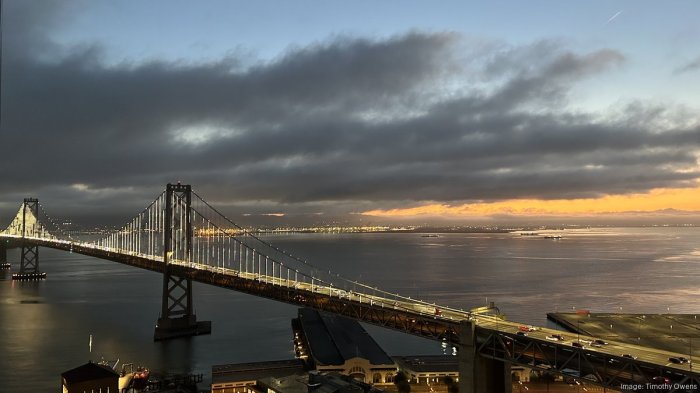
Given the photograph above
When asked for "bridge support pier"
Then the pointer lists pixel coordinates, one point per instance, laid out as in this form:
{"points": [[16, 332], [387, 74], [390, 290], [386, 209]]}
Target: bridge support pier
{"points": [[478, 374], [29, 264], [177, 318]]}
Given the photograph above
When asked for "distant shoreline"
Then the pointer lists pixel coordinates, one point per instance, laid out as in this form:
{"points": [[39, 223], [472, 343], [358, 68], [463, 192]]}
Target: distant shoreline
{"points": [[427, 230]]}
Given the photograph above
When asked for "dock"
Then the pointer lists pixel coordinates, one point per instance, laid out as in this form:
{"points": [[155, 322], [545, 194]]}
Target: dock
{"points": [[671, 332]]}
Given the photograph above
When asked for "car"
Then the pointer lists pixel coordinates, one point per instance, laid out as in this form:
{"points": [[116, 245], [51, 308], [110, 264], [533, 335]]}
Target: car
{"points": [[661, 380], [684, 360], [555, 337], [527, 328], [595, 344], [586, 341], [675, 360], [600, 342], [299, 299], [628, 356], [520, 333], [577, 345]]}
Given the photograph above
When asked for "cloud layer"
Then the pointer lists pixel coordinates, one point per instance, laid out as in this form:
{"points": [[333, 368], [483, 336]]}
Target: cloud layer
{"points": [[344, 125], [692, 66]]}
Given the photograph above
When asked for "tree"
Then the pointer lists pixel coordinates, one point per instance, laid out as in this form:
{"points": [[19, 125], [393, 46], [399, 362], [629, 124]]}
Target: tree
{"points": [[452, 386], [401, 382]]}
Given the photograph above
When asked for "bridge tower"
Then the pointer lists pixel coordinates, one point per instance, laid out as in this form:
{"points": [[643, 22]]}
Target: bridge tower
{"points": [[29, 263], [177, 318], [476, 373]]}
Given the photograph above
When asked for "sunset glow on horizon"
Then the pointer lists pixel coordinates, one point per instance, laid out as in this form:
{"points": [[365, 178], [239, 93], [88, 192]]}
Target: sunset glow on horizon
{"points": [[681, 199]]}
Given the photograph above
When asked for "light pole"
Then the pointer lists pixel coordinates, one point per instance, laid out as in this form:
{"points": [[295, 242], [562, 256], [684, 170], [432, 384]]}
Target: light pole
{"points": [[578, 330], [695, 318]]}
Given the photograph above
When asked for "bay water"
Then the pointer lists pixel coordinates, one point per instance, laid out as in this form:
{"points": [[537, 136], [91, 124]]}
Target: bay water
{"points": [[45, 326]]}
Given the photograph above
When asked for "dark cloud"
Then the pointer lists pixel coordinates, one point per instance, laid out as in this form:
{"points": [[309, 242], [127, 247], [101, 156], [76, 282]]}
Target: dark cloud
{"points": [[691, 66], [342, 125]]}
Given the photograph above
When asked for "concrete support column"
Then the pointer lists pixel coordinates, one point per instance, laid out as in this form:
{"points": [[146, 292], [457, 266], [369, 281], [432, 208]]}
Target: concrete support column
{"points": [[507, 378], [478, 374], [466, 357]]}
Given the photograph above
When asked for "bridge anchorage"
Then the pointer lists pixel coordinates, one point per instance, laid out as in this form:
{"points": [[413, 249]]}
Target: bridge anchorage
{"points": [[177, 318]]}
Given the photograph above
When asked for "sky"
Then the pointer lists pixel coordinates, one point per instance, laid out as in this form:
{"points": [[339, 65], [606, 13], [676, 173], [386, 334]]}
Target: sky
{"points": [[320, 111]]}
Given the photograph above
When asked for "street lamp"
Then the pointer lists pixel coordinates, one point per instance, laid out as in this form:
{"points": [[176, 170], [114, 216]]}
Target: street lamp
{"points": [[578, 330], [695, 317]]}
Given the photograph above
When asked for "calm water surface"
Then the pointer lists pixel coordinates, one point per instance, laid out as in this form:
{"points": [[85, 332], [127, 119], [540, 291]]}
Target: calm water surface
{"points": [[44, 326]]}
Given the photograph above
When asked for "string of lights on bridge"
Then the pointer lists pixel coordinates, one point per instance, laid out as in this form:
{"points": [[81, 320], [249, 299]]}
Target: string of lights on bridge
{"points": [[217, 243]]}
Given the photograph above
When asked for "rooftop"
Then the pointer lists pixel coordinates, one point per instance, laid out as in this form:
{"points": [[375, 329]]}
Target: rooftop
{"points": [[333, 339], [316, 382], [427, 363], [88, 372], [255, 371]]}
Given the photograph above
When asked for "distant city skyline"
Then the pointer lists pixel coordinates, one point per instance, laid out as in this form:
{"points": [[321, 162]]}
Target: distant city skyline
{"points": [[310, 111]]}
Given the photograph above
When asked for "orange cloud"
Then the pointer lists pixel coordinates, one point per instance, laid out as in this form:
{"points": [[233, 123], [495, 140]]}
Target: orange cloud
{"points": [[687, 199]]}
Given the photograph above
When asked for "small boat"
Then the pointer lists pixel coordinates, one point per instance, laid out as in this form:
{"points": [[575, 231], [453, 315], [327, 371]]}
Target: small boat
{"points": [[126, 376], [429, 235], [529, 234], [555, 237]]}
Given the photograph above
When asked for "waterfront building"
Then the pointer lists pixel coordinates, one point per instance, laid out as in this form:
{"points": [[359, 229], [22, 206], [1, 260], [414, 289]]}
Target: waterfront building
{"points": [[237, 378], [433, 369], [428, 369], [333, 343], [314, 382]]}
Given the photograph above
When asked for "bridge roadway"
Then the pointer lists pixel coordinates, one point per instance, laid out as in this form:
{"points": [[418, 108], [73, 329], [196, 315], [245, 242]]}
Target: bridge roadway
{"points": [[607, 365]]}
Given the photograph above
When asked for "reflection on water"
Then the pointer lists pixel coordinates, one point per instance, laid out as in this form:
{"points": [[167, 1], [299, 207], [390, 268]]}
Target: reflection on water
{"points": [[45, 326]]}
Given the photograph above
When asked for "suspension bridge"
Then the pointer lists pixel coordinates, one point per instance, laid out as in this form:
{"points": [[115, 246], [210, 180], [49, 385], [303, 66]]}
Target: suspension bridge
{"points": [[180, 235]]}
